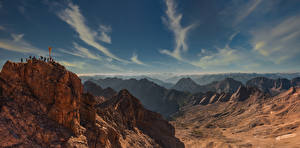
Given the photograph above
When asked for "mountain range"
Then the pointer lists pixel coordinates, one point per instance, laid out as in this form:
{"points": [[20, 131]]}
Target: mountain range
{"points": [[152, 96], [43, 105], [162, 100]]}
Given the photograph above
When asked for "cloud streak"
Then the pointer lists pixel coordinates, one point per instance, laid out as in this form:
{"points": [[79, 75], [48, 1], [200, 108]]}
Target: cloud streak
{"points": [[82, 52], [104, 37], [72, 16], [223, 57], [135, 60], [246, 11], [280, 42], [18, 44], [173, 21], [79, 65]]}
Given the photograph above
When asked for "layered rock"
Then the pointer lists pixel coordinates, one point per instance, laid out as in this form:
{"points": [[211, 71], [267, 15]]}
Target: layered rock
{"points": [[43, 105]]}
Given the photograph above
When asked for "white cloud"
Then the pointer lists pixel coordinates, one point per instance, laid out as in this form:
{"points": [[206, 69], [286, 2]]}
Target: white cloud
{"points": [[173, 22], [82, 52], [233, 35], [223, 57], [79, 65], [18, 44], [104, 37], [104, 28], [75, 19], [278, 42], [246, 10], [135, 59], [17, 37]]}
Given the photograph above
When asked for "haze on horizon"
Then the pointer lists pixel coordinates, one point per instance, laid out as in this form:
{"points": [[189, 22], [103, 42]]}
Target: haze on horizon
{"points": [[159, 36]]}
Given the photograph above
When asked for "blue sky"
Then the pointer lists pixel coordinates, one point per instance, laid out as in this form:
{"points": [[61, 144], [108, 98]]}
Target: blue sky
{"points": [[155, 36]]}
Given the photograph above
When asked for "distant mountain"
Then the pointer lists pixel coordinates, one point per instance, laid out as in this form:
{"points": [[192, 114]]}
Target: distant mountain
{"points": [[160, 82], [273, 86], [186, 84], [152, 96], [203, 79], [157, 81], [96, 90], [228, 85]]}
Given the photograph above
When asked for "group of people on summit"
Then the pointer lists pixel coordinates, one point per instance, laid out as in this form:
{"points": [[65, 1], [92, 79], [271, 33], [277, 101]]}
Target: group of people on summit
{"points": [[45, 59]]}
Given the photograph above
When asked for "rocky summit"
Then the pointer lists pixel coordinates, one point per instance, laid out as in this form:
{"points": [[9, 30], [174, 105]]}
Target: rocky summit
{"points": [[43, 105]]}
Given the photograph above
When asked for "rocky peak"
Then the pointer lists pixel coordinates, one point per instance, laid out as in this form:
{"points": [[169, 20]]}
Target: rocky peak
{"points": [[244, 93], [227, 85], [49, 82], [131, 114], [97, 90], [241, 94], [92, 88], [186, 84], [282, 84]]}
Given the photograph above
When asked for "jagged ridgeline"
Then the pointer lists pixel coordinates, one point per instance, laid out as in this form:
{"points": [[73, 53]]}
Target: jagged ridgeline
{"points": [[43, 105]]}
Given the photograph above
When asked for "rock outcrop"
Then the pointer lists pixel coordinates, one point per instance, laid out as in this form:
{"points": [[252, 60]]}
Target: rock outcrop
{"points": [[43, 105]]}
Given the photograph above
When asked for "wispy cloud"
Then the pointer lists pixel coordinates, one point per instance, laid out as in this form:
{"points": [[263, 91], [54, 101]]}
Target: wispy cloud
{"points": [[223, 57], [72, 16], [104, 37], [18, 44], [135, 59], [278, 41], [173, 22], [81, 52], [236, 11], [246, 10], [233, 36], [76, 64]]}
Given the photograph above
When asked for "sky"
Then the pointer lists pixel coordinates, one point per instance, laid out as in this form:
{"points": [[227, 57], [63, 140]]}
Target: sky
{"points": [[154, 36]]}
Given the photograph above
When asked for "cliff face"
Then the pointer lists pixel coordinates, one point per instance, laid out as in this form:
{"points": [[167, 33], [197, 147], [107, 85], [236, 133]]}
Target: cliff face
{"points": [[43, 105]]}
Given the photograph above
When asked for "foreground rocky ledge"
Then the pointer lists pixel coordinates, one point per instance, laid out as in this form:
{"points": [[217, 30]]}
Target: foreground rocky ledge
{"points": [[43, 105]]}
